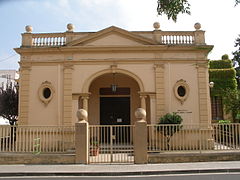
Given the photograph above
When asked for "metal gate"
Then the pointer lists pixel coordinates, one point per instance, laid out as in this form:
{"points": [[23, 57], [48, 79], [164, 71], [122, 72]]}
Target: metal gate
{"points": [[111, 144]]}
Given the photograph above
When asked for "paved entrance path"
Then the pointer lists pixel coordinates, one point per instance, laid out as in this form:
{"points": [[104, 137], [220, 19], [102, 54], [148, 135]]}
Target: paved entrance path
{"points": [[118, 170]]}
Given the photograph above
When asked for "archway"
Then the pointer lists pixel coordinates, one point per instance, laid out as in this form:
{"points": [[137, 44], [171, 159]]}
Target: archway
{"points": [[107, 107]]}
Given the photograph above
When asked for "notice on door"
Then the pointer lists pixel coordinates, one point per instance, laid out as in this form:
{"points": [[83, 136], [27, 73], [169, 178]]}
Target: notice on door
{"points": [[119, 120]]}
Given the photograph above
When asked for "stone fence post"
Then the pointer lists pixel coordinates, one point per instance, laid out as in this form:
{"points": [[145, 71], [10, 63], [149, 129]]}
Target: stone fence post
{"points": [[81, 137], [140, 137]]}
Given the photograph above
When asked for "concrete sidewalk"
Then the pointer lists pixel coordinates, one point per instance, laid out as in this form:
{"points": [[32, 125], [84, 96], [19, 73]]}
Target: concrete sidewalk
{"points": [[119, 170]]}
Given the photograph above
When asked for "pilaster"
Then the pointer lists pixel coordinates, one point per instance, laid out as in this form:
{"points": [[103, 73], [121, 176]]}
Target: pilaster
{"points": [[24, 89], [67, 94], [159, 82], [204, 95]]}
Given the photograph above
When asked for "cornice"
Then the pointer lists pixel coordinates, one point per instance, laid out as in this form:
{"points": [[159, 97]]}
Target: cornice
{"points": [[150, 48]]}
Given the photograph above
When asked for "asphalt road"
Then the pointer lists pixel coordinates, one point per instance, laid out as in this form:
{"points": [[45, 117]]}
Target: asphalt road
{"points": [[220, 176]]}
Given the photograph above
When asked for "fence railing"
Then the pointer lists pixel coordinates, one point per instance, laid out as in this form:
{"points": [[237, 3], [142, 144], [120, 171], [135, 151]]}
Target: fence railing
{"points": [[37, 139], [114, 140], [111, 144], [193, 138]]}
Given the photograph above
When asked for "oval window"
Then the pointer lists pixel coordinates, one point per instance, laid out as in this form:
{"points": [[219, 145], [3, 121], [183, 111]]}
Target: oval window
{"points": [[46, 93], [181, 91]]}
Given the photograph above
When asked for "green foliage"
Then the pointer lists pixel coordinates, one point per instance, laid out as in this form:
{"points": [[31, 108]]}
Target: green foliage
{"points": [[173, 7], [231, 101], [9, 103], [225, 57], [236, 59], [173, 118], [222, 73], [224, 121], [169, 125], [220, 64]]}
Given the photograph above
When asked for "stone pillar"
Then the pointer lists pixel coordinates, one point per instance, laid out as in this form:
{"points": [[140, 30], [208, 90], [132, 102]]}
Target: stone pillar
{"points": [[199, 36], [160, 97], [27, 40], [81, 138], [24, 88], [140, 137], [67, 94], [204, 95], [157, 33]]}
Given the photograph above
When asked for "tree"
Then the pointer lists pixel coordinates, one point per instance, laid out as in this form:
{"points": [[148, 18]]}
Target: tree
{"points": [[170, 124], [236, 60], [9, 103], [231, 100], [172, 8]]}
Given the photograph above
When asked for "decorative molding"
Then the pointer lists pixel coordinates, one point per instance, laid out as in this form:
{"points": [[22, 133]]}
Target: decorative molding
{"points": [[113, 68], [68, 66], [201, 65], [158, 65], [45, 92], [181, 90]]}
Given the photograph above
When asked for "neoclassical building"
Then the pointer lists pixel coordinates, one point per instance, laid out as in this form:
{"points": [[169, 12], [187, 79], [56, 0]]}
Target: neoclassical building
{"points": [[112, 72]]}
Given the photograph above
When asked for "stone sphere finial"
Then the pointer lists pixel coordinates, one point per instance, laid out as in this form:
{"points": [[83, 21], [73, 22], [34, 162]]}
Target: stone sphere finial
{"points": [[156, 25], [70, 27], [197, 26], [82, 114], [140, 113], [28, 29]]}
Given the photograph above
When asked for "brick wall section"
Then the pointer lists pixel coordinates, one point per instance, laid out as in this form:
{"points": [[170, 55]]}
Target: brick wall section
{"points": [[67, 95], [160, 100]]}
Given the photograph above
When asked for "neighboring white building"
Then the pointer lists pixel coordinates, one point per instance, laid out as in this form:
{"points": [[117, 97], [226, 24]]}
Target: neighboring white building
{"points": [[8, 76]]}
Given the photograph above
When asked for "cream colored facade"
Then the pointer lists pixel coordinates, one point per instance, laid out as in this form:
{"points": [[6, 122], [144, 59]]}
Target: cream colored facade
{"points": [[62, 72]]}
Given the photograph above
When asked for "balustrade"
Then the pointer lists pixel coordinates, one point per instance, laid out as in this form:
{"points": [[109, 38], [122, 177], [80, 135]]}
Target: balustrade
{"points": [[57, 39]]}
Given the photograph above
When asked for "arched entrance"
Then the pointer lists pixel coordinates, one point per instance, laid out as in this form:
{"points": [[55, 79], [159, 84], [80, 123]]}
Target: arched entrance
{"points": [[113, 107]]}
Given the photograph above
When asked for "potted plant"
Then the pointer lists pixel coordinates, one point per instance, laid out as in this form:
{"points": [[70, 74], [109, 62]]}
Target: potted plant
{"points": [[94, 148]]}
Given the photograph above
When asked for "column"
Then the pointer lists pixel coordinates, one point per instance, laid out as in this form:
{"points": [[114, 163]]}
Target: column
{"points": [[67, 94], [143, 97], [160, 97], [203, 95], [24, 91], [85, 102]]}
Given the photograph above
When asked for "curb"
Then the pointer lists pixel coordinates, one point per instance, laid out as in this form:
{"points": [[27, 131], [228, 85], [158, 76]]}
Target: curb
{"points": [[168, 172]]}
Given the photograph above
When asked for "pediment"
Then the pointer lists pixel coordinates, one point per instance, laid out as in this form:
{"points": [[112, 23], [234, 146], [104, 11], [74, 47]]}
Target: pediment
{"points": [[112, 36]]}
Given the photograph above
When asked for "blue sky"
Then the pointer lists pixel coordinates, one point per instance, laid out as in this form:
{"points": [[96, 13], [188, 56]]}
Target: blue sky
{"points": [[219, 18]]}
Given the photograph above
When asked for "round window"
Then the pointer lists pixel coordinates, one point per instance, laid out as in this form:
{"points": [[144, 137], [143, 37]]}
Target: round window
{"points": [[181, 91], [46, 93]]}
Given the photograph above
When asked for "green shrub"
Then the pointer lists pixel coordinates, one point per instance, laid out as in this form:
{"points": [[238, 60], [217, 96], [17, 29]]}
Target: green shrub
{"points": [[173, 118], [224, 121], [220, 64], [170, 124], [225, 57]]}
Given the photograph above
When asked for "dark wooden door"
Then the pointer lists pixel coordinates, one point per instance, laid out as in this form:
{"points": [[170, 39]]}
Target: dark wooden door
{"points": [[115, 110]]}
